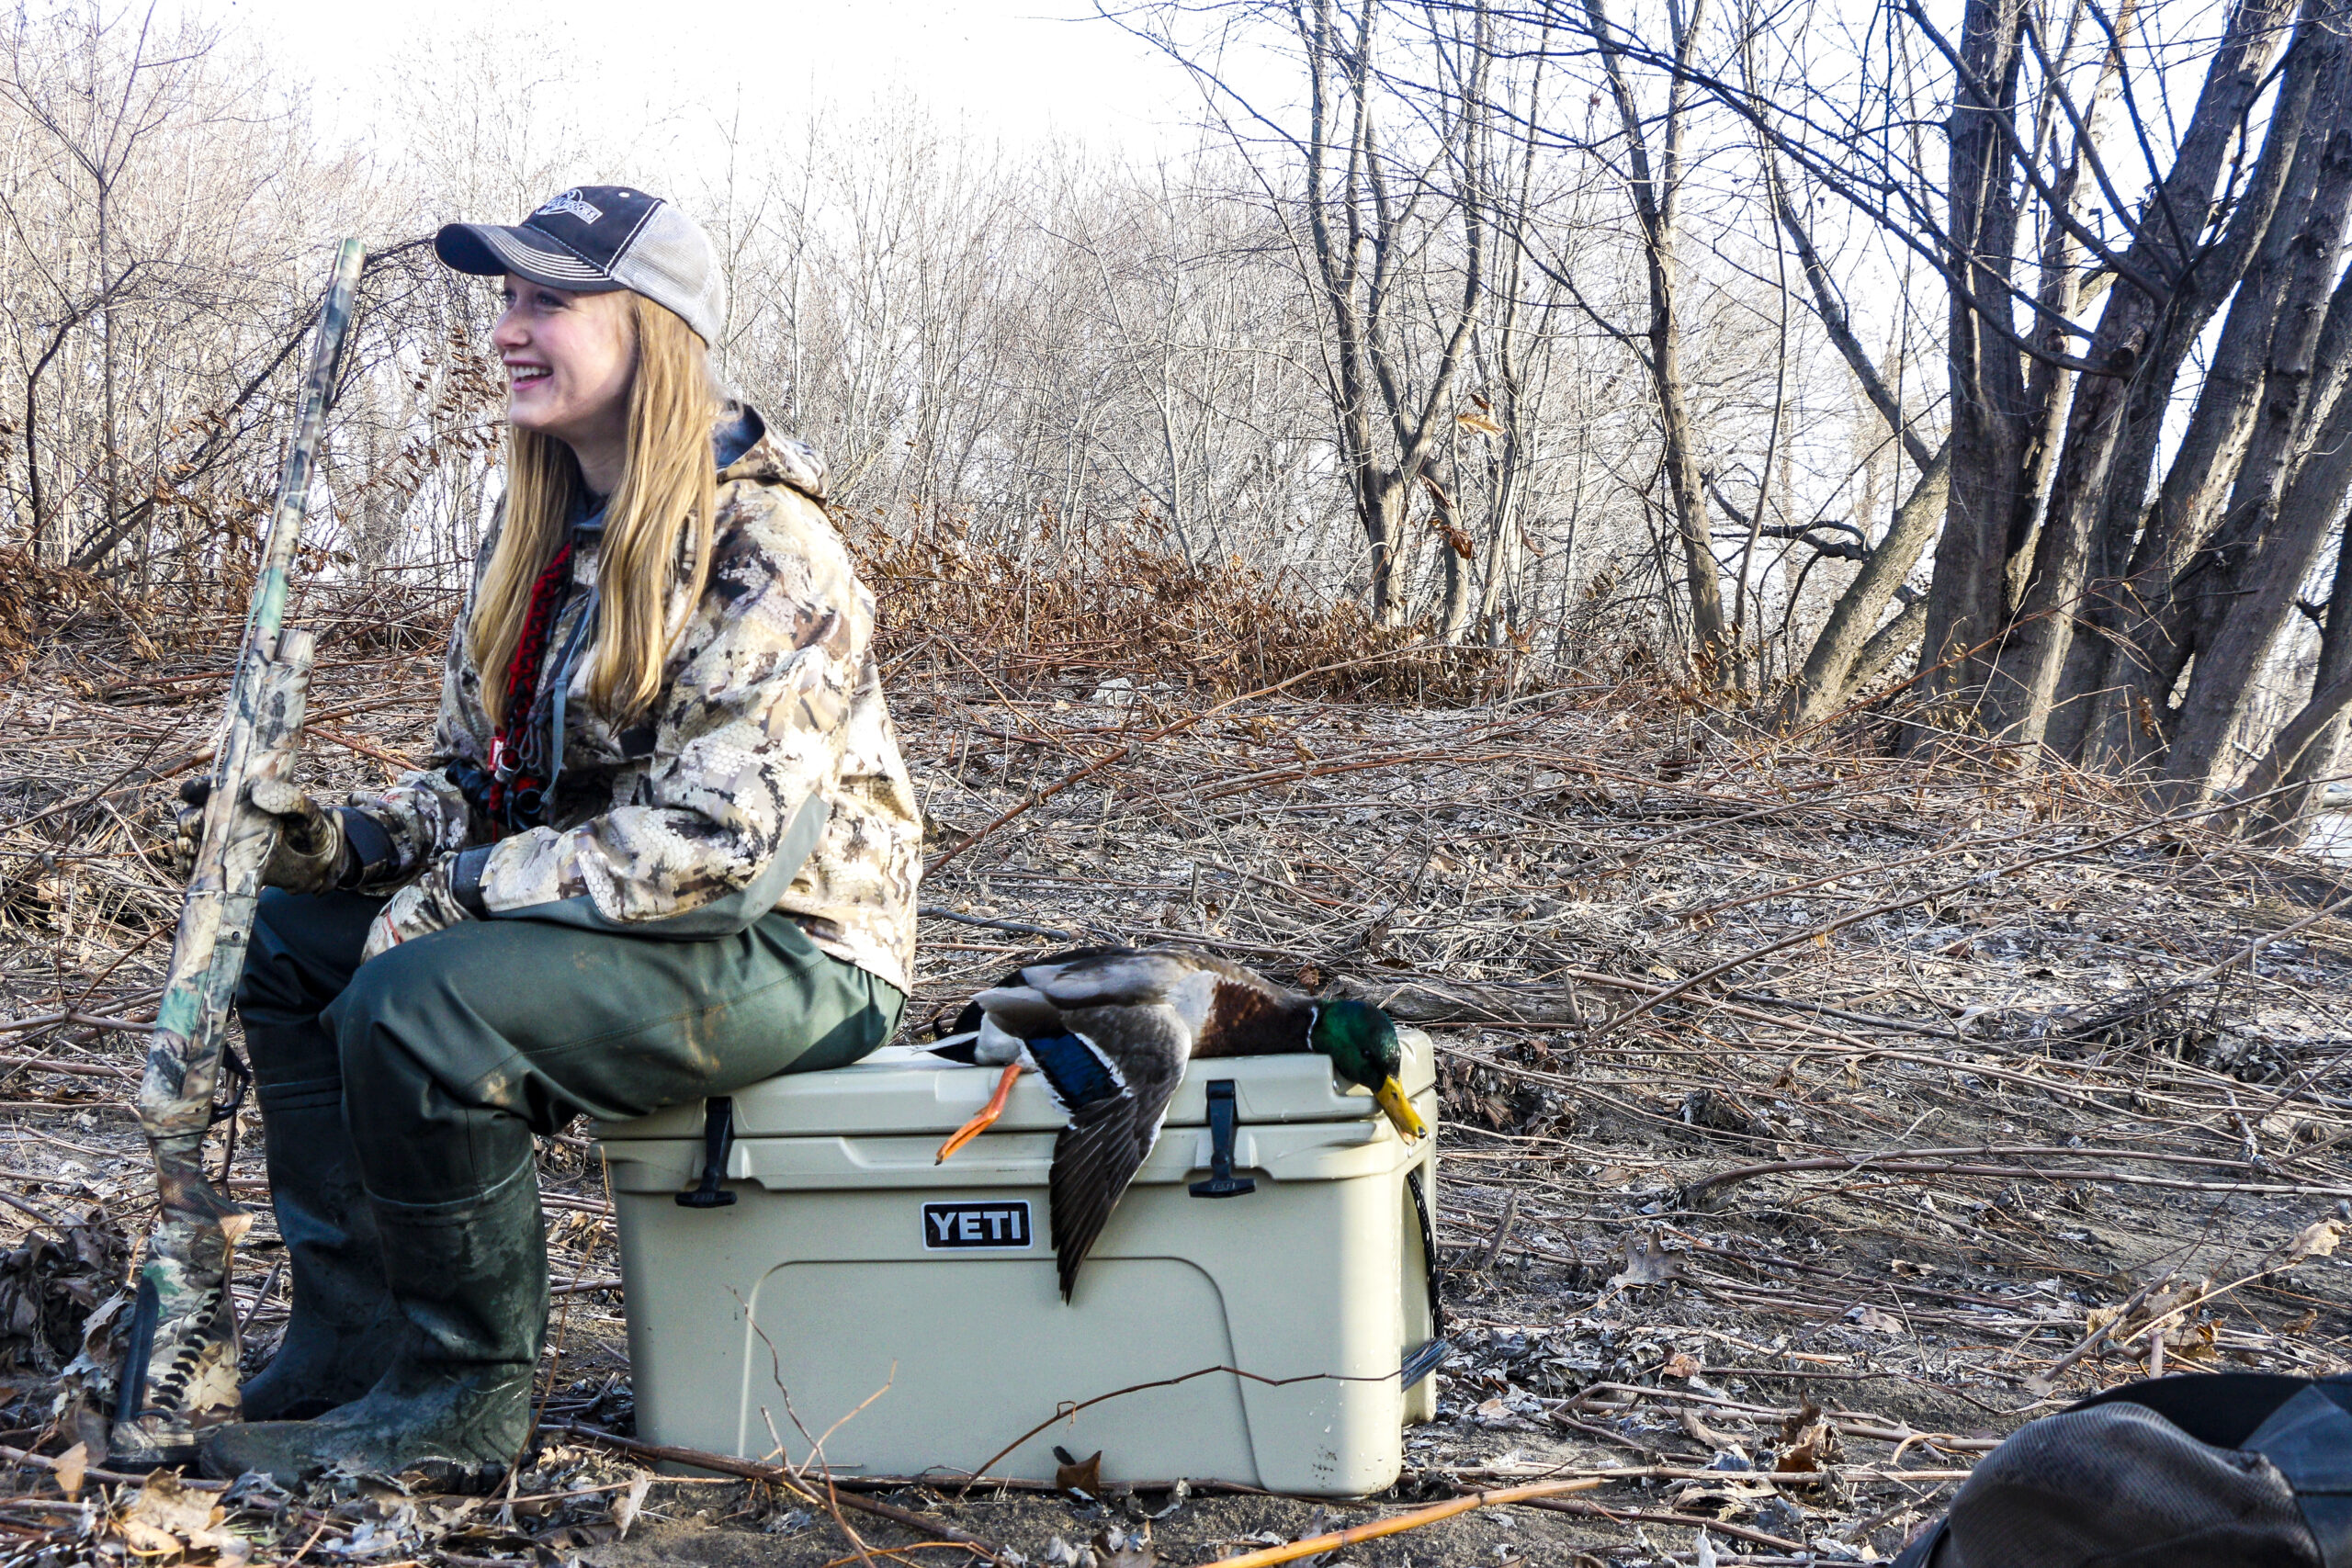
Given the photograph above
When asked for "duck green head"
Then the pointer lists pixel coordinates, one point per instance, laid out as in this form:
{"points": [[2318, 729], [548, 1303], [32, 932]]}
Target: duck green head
{"points": [[1362, 1045]]}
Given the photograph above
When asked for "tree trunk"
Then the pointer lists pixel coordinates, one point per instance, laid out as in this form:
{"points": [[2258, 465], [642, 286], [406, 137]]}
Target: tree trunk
{"points": [[2286, 521], [1886, 645], [2306, 747], [2116, 682], [2152, 316], [1656, 187], [1966, 597], [1702, 577], [1830, 669]]}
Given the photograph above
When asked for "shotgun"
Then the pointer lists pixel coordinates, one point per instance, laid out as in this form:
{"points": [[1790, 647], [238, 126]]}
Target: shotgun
{"points": [[159, 1362]]}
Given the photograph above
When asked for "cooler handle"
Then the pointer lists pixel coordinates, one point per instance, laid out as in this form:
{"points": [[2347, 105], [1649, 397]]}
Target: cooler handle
{"points": [[1222, 1182], [718, 1138]]}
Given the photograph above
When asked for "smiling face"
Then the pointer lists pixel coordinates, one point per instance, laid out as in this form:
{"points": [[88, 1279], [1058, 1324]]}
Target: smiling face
{"points": [[569, 359]]}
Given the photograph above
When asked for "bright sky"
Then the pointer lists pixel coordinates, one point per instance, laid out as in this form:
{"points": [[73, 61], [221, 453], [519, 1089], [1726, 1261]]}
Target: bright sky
{"points": [[1018, 70]]}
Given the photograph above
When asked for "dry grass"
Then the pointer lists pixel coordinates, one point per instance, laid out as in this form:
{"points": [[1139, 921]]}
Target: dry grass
{"points": [[1804, 1105], [1123, 603]]}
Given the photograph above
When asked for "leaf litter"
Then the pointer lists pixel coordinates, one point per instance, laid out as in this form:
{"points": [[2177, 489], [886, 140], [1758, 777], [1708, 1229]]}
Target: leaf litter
{"points": [[1812, 1117]]}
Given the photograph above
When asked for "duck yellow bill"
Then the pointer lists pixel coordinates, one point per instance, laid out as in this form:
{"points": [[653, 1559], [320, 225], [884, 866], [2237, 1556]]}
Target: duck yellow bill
{"points": [[1391, 1096]]}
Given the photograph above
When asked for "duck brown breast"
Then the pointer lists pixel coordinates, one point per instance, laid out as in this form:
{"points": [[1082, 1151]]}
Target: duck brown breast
{"points": [[1252, 1021]]}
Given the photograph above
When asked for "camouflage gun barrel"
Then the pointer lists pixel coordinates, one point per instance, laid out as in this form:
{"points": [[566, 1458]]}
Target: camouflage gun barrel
{"points": [[159, 1364]]}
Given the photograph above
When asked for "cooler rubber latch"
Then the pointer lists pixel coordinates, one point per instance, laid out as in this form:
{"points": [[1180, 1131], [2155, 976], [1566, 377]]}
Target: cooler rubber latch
{"points": [[1222, 1182], [718, 1137]]}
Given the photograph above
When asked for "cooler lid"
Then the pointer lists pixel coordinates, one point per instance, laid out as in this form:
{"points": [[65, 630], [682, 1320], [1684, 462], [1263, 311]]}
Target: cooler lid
{"points": [[903, 1089]]}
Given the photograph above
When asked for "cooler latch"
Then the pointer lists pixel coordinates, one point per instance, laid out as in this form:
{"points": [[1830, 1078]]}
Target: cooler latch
{"points": [[1222, 1182], [718, 1137]]}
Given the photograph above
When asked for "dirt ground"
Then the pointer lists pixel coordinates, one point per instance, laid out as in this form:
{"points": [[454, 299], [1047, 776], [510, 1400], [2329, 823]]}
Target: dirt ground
{"points": [[1812, 1120]]}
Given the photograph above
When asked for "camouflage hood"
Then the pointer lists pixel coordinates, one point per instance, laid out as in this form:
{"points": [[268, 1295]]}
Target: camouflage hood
{"points": [[766, 775]]}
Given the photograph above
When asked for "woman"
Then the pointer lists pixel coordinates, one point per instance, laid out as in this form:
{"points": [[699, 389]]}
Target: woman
{"points": [[668, 847]]}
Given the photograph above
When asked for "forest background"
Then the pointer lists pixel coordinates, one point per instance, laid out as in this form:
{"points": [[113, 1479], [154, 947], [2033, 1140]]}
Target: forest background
{"points": [[1981, 366], [1728, 557]]}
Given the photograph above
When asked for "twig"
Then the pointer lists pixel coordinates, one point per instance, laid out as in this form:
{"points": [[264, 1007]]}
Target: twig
{"points": [[1064, 1412], [934, 912], [1373, 1529], [776, 1475]]}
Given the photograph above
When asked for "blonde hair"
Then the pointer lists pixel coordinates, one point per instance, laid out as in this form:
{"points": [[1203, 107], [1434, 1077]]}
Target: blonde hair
{"points": [[668, 484]]}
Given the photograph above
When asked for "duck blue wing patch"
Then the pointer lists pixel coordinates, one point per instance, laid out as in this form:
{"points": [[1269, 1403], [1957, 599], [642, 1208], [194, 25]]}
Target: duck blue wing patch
{"points": [[1078, 1074], [1099, 1153]]}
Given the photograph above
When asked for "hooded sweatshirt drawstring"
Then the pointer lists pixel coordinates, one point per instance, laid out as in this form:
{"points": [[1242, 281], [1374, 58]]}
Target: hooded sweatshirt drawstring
{"points": [[516, 793]]}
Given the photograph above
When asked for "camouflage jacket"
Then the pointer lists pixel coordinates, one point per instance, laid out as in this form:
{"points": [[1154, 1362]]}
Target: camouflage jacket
{"points": [[766, 776]]}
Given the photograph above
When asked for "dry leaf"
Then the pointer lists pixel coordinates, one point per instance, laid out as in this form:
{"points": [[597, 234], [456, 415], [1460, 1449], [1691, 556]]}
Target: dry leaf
{"points": [[626, 1504], [1875, 1319], [1080, 1474], [72, 1466], [169, 1516], [147, 1541], [1808, 1442], [1647, 1262], [2315, 1240]]}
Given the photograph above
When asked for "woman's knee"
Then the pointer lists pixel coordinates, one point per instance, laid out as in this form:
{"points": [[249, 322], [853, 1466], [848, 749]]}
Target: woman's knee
{"points": [[420, 1083], [303, 951]]}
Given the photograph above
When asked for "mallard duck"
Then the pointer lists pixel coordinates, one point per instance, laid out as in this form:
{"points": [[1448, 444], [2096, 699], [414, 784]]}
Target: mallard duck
{"points": [[1110, 1030]]}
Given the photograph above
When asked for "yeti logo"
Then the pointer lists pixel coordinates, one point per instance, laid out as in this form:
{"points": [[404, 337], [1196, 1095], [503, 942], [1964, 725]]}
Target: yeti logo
{"points": [[1002, 1225], [571, 204]]}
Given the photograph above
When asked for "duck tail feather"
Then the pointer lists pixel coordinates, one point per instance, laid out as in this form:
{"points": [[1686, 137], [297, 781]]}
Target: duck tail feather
{"points": [[957, 1047]]}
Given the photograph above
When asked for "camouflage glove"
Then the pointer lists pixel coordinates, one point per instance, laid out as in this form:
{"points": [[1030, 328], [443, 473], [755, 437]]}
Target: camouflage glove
{"points": [[430, 904], [311, 855]]}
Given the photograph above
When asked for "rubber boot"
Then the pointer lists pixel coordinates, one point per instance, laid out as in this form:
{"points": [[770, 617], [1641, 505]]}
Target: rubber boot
{"points": [[471, 1277], [344, 1326]]}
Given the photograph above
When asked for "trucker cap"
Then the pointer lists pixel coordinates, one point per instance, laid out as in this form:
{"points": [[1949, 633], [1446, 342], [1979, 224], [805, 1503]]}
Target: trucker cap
{"points": [[596, 238]]}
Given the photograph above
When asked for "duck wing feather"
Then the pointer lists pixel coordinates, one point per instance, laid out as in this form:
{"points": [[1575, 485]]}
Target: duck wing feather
{"points": [[1112, 977], [1109, 1133]]}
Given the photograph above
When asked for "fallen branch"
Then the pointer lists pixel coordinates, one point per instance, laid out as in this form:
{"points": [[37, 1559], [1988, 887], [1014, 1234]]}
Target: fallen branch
{"points": [[1698, 1194], [776, 1475], [1039, 796], [75, 1019], [72, 1070], [1375, 1528], [1744, 1477], [1661, 1516], [26, 1456], [934, 912], [1945, 890], [1065, 1411]]}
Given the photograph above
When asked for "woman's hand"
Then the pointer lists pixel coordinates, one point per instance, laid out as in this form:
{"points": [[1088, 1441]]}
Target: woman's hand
{"points": [[424, 907], [310, 854]]}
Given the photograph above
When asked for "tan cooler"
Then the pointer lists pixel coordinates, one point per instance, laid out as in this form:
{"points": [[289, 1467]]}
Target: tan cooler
{"points": [[909, 1309]]}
